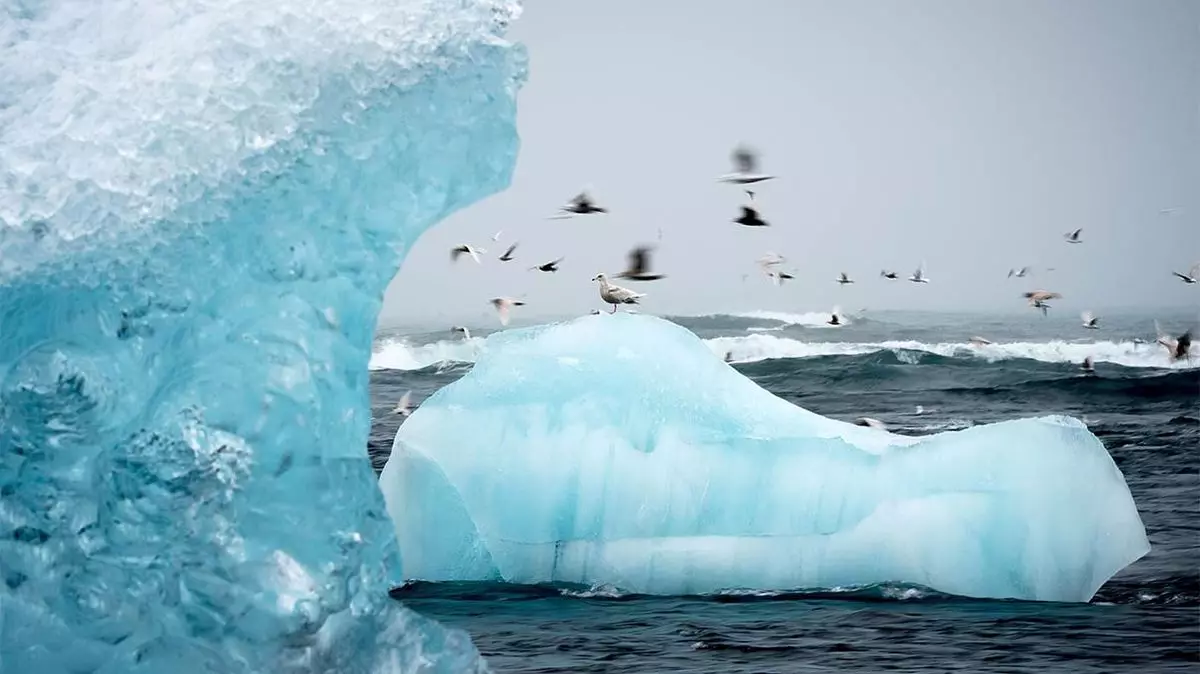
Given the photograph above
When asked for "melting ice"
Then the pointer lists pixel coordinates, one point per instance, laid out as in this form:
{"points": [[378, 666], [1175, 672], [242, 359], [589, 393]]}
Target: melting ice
{"points": [[619, 450], [203, 202]]}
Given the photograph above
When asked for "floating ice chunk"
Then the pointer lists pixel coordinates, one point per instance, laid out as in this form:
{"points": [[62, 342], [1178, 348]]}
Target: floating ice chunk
{"points": [[617, 449]]}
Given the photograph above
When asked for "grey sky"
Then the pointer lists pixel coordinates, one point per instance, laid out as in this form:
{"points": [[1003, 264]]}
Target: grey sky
{"points": [[969, 134]]}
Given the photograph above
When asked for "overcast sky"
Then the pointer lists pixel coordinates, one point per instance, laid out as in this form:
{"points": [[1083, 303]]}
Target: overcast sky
{"points": [[969, 135]]}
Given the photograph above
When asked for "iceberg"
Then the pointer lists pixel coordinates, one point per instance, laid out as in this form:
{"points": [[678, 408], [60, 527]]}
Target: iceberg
{"points": [[618, 450], [203, 203]]}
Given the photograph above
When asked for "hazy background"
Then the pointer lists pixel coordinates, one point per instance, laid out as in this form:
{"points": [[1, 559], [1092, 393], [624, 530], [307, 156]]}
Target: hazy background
{"points": [[970, 135]]}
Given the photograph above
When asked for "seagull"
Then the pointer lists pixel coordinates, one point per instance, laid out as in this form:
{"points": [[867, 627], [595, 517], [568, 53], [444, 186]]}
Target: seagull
{"points": [[750, 218], [502, 305], [778, 277], [891, 275], [844, 279], [582, 204], [745, 168], [404, 407], [979, 341], [549, 266], [1090, 321], [496, 236], [919, 275], [508, 254], [770, 260], [639, 266], [615, 295], [466, 249], [870, 423], [1190, 277], [460, 328], [835, 318], [1088, 365], [1039, 304], [1021, 273], [1179, 347], [1073, 237]]}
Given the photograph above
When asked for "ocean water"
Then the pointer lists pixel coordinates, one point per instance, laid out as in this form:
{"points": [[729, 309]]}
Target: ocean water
{"points": [[918, 373]]}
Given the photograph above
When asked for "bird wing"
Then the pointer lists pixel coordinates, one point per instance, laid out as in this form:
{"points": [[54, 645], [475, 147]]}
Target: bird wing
{"points": [[455, 252], [638, 264], [582, 200], [1087, 317], [496, 236], [474, 254], [749, 213], [744, 159], [508, 253]]}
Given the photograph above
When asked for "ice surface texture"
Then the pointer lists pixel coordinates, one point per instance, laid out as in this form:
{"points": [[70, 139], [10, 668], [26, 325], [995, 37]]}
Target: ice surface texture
{"points": [[203, 202], [617, 449]]}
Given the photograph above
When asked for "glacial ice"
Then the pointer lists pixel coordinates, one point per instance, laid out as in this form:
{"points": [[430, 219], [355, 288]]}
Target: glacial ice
{"points": [[616, 449], [203, 202]]}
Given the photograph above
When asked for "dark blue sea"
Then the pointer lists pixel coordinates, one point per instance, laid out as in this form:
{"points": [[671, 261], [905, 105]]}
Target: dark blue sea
{"points": [[919, 374]]}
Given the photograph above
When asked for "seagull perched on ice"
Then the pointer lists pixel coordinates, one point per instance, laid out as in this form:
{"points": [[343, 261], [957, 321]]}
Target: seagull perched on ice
{"points": [[639, 266], [919, 275], [1021, 273], [502, 305], [750, 218], [508, 254], [1073, 237], [870, 423], [844, 279], [745, 168], [1089, 321], [465, 249], [890, 275], [1190, 277], [463, 329], [615, 295], [551, 266], [404, 407], [581, 204], [1177, 348]]}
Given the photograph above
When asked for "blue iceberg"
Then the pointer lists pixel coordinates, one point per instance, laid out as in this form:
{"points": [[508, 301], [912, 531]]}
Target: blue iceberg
{"points": [[203, 203], [616, 449]]}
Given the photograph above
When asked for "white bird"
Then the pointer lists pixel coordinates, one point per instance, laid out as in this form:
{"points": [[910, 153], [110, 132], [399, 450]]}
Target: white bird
{"points": [[1073, 237], [502, 305], [404, 407], [770, 260], [919, 275], [844, 279], [1190, 277], [1089, 321], [465, 249], [1021, 273], [615, 295], [870, 423], [745, 168], [496, 236], [463, 329]]}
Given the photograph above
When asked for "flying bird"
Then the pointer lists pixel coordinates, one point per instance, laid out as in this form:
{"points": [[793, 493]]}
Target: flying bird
{"points": [[1073, 237], [1177, 348], [919, 275], [750, 218], [1021, 273], [508, 254], [835, 318], [844, 279], [502, 306], [463, 329], [582, 204], [778, 277], [891, 275], [1190, 277], [745, 168], [496, 236], [770, 259], [1089, 321], [404, 407], [551, 266], [1041, 296], [639, 266], [615, 295], [465, 249]]}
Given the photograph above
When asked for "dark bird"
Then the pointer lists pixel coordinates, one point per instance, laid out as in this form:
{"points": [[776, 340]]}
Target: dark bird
{"points": [[1190, 277], [888, 274], [844, 278], [582, 204], [1073, 237], [508, 254], [639, 266], [1178, 348], [549, 266], [750, 218], [1088, 365]]}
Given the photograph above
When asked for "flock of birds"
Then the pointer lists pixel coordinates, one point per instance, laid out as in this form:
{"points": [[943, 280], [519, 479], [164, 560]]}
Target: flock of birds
{"points": [[745, 173]]}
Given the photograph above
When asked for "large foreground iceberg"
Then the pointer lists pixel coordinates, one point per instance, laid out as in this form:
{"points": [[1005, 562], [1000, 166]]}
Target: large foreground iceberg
{"points": [[617, 449], [203, 201]]}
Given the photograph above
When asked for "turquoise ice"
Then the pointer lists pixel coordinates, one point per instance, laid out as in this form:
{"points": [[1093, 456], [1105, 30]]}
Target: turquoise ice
{"points": [[618, 450], [202, 203]]}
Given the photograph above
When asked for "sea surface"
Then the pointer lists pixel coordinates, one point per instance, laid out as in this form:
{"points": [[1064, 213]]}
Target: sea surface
{"points": [[917, 373]]}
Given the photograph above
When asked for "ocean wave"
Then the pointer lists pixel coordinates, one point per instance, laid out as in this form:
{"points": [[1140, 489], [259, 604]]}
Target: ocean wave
{"points": [[402, 355]]}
